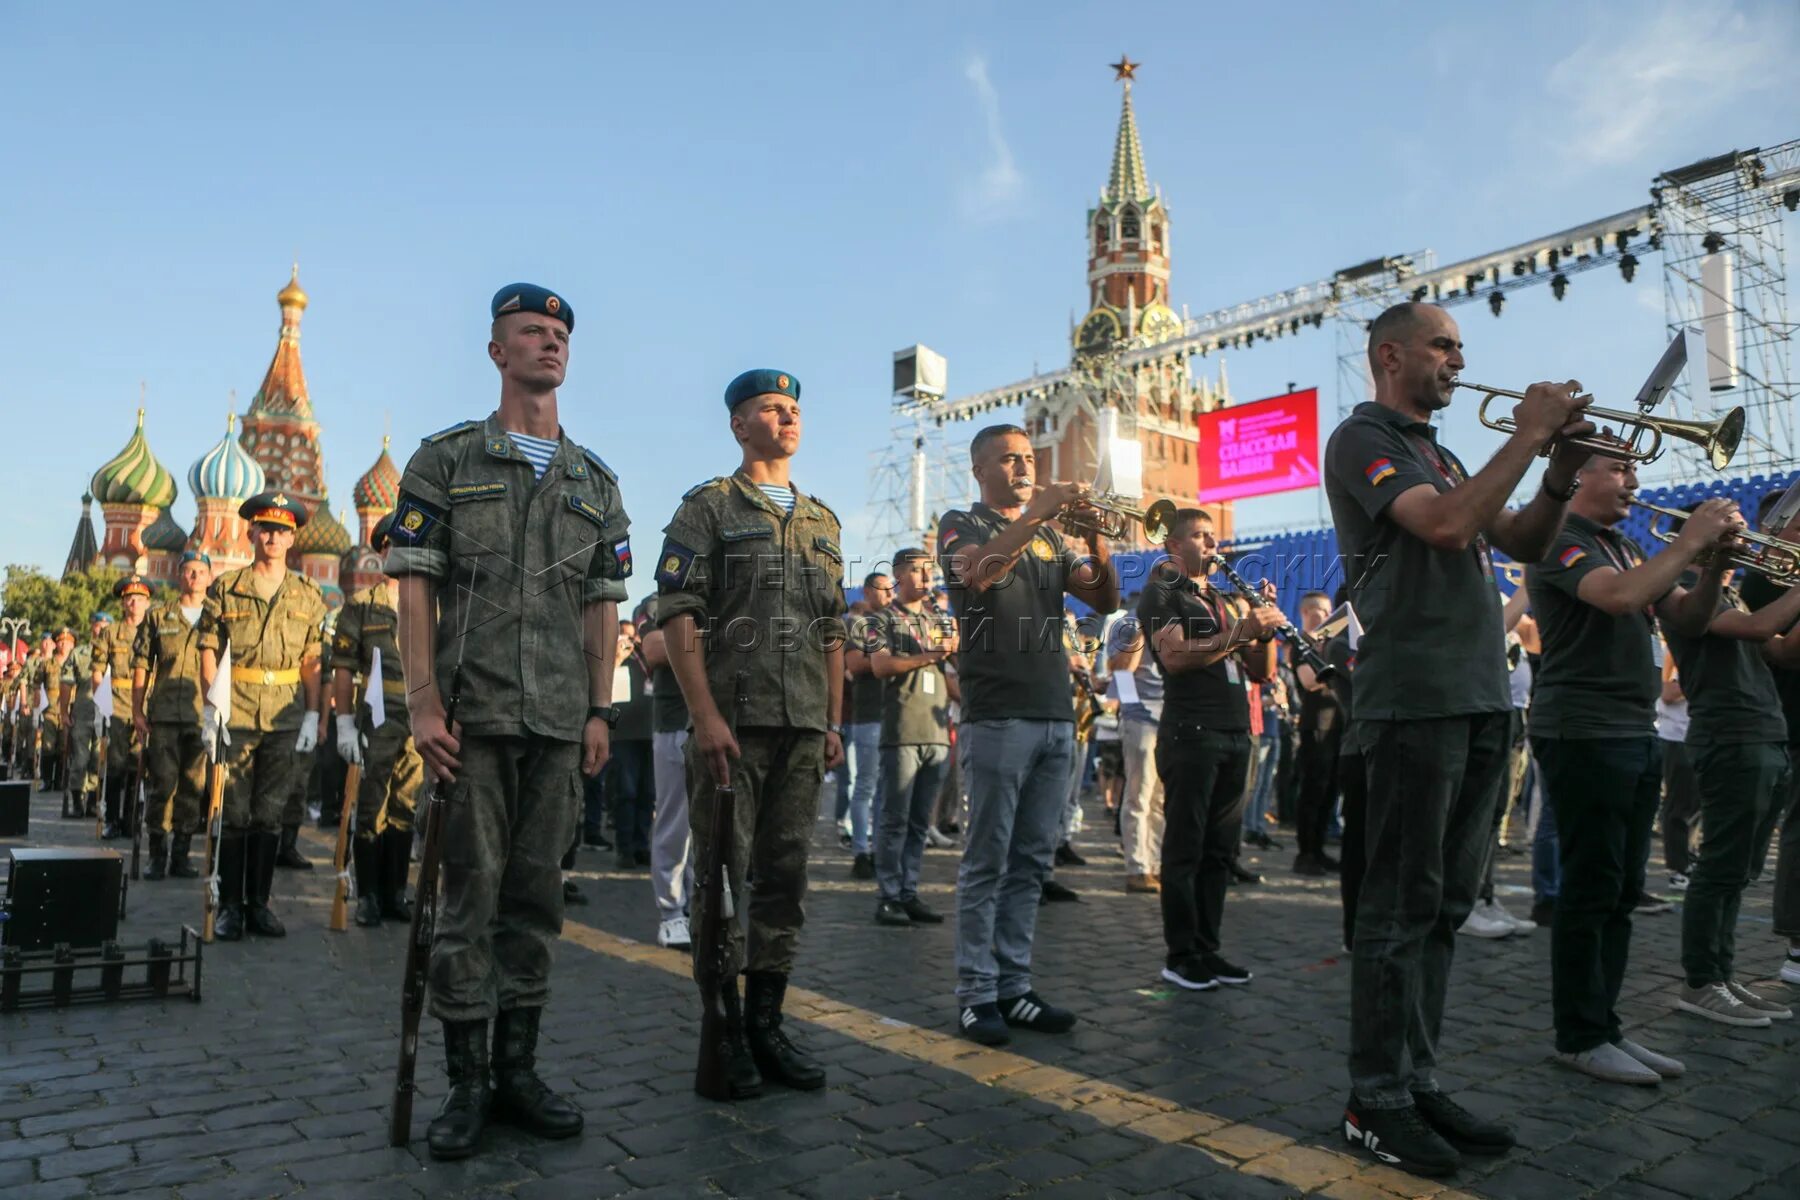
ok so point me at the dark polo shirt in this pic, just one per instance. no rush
(1432, 643)
(865, 690)
(1011, 663)
(1213, 697)
(1598, 676)
(1729, 687)
(1758, 592)
(915, 707)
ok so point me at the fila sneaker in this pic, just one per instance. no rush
(1399, 1137)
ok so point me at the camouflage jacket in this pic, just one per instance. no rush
(517, 559)
(112, 655)
(767, 590)
(168, 650)
(77, 674)
(275, 637)
(369, 622)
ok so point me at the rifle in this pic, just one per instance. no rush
(720, 1008)
(215, 830)
(135, 797)
(340, 917)
(103, 748)
(418, 946)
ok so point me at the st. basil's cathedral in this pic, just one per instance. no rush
(277, 448)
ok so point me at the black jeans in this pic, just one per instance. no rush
(1433, 785)
(1353, 787)
(1605, 792)
(1680, 805)
(630, 788)
(1787, 863)
(1318, 762)
(1203, 773)
(1738, 788)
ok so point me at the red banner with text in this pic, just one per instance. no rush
(1259, 448)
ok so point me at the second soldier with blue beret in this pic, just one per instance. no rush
(165, 699)
(750, 581)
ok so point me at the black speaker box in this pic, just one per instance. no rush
(15, 808)
(62, 896)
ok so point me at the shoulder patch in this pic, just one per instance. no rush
(676, 563)
(701, 487)
(581, 505)
(600, 465)
(440, 435)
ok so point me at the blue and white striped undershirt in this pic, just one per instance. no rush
(780, 494)
(538, 451)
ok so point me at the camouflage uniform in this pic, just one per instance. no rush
(41, 745)
(391, 769)
(84, 765)
(112, 654)
(766, 590)
(516, 560)
(167, 648)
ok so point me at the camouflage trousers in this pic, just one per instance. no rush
(265, 773)
(509, 817)
(121, 749)
(777, 781)
(175, 762)
(392, 774)
(84, 764)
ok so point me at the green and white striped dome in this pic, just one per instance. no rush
(134, 476)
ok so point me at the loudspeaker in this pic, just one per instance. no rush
(66, 896)
(15, 809)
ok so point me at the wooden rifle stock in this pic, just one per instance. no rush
(339, 908)
(135, 798)
(103, 748)
(720, 1008)
(215, 829)
(418, 947)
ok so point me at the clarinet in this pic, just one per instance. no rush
(1303, 650)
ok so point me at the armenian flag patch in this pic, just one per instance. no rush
(1571, 556)
(1380, 471)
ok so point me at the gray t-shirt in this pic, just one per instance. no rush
(1147, 679)
(915, 707)
(1433, 643)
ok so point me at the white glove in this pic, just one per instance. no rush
(309, 734)
(212, 733)
(349, 741)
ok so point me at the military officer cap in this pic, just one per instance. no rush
(65, 633)
(101, 618)
(273, 508)
(199, 556)
(131, 585)
(759, 382)
(383, 534)
(529, 297)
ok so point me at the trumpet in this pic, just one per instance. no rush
(1774, 557)
(1512, 572)
(1112, 515)
(1718, 438)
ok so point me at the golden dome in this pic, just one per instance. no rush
(292, 295)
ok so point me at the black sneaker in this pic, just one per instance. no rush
(891, 912)
(1329, 863)
(921, 913)
(573, 894)
(1224, 971)
(1399, 1137)
(1066, 857)
(845, 841)
(1543, 913)
(1461, 1128)
(1242, 874)
(1307, 864)
(1032, 1012)
(1190, 975)
(862, 867)
(1055, 892)
(982, 1023)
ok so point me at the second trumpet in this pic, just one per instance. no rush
(1642, 433)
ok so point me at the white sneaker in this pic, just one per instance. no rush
(1677, 881)
(1498, 912)
(1716, 1002)
(1610, 1063)
(1790, 970)
(1662, 1064)
(1775, 1010)
(1480, 924)
(672, 934)
(935, 839)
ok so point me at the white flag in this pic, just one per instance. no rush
(43, 700)
(1353, 631)
(103, 699)
(219, 694)
(373, 694)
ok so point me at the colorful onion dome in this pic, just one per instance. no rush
(164, 534)
(134, 476)
(379, 488)
(323, 534)
(292, 296)
(226, 472)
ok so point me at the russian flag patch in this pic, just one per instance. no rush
(1380, 471)
(622, 556)
(1571, 556)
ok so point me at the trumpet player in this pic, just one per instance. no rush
(1008, 568)
(1432, 705)
(1759, 592)
(1597, 599)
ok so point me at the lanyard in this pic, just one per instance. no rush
(1454, 476)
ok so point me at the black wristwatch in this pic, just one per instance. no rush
(1562, 497)
(608, 713)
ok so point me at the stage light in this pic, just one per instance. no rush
(1791, 199)
(1496, 301)
(1419, 293)
(1559, 283)
(1555, 257)
(1628, 266)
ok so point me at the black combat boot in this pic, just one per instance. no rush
(179, 866)
(742, 1080)
(396, 857)
(228, 922)
(259, 881)
(520, 1097)
(158, 848)
(776, 1057)
(368, 880)
(288, 852)
(456, 1130)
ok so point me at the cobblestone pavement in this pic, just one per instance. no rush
(278, 1082)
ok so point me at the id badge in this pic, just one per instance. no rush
(1231, 672)
(928, 684)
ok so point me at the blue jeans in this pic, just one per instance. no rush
(1263, 757)
(862, 758)
(1546, 862)
(1017, 775)
(911, 777)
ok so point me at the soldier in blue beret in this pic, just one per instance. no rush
(530, 298)
(762, 381)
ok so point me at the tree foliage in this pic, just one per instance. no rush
(50, 604)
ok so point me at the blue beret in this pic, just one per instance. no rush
(758, 382)
(273, 508)
(200, 556)
(382, 536)
(529, 297)
(100, 619)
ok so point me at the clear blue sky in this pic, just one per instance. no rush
(803, 186)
